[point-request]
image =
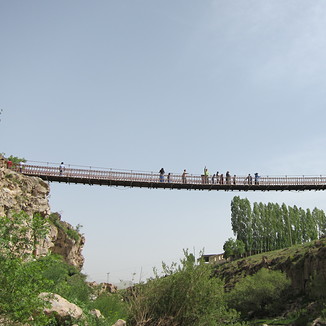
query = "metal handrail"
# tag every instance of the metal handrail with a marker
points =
(151, 177)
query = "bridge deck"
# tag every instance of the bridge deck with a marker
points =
(152, 180)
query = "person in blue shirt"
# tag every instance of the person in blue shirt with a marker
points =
(257, 179)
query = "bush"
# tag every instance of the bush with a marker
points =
(316, 287)
(20, 283)
(259, 293)
(111, 306)
(15, 159)
(72, 233)
(186, 295)
(66, 280)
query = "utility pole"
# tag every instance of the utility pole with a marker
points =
(140, 275)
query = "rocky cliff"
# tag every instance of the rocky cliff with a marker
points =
(30, 194)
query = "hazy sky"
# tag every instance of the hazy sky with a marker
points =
(234, 85)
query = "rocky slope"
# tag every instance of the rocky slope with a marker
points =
(302, 264)
(30, 194)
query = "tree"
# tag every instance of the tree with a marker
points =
(320, 218)
(241, 221)
(311, 226)
(233, 248)
(287, 227)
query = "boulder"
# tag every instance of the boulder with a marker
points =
(120, 322)
(60, 307)
(96, 313)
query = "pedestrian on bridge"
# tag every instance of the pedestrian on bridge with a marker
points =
(249, 179)
(61, 168)
(217, 177)
(228, 178)
(184, 176)
(257, 179)
(206, 175)
(162, 172)
(21, 166)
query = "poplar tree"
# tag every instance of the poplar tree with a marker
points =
(270, 226)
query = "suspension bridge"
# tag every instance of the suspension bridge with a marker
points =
(154, 180)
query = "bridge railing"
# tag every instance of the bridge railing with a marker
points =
(152, 177)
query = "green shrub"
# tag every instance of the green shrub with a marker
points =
(20, 284)
(55, 218)
(15, 159)
(186, 295)
(259, 293)
(66, 280)
(111, 306)
(317, 287)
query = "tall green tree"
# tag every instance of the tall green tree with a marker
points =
(241, 221)
(320, 218)
(287, 227)
(270, 226)
(311, 226)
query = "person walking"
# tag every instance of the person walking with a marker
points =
(21, 166)
(249, 179)
(222, 179)
(206, 175)
(257, 179)
(217, 177)
(61, 168)
(234, 179)
(162, 172)
(184, 176)
(228, 178)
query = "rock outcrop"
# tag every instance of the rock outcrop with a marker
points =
(30, 194)
(102, 288)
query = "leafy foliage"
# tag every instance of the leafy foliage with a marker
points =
(266, 227)
(71, 232)
(111, 306)
(233, 248)
(15, 159)
(259, 293)
(186, 295)
(20, 234)
(21, 280)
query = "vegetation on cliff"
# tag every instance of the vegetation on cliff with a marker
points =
(23, 276)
